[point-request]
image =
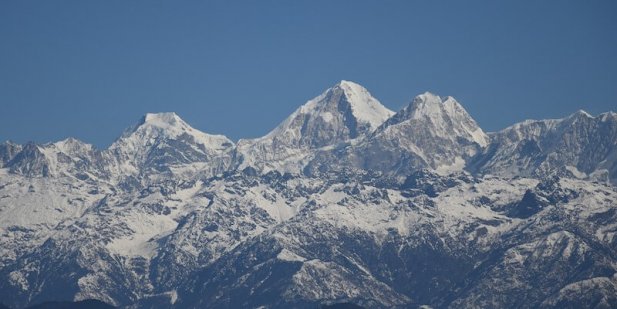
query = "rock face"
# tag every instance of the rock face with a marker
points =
(344, 202)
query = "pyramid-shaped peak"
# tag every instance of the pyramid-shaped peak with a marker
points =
(342, 112)
(364, 106)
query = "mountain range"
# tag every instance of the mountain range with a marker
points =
(345, 201)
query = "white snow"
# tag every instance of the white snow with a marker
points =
(286, 255)
(287, 148)
(457, 165)
(576, 172)
(18, 279)
(128, 153)
(221, 213)
(327, 117)
(365, 107)
(279, 209)
(145, 227)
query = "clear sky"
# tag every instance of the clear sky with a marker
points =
(89, 69)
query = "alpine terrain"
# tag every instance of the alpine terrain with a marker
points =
(345, 201)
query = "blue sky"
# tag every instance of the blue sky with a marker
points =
(89, 69)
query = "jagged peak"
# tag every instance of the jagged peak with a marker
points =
(443, 113)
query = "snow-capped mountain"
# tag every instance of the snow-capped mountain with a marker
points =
(163, 142)
(343, 202)
(66, 157)
(431, 132)
(580, 145)
(343, 112)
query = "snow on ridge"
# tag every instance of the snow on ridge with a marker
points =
(171, 125)
(286, 255)
(446, 115)
(551, 123)
(365, 107)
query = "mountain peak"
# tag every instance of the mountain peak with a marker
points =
(160, 142)
(72, 146)
(429, 97)
(581, 113)
(343, 112)
(363, 105)
(168, 123)
(169, 128)
(431, 105)
(161, 119)
(347, 83)
(443, 115)
(346, 104)
(350, 88)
